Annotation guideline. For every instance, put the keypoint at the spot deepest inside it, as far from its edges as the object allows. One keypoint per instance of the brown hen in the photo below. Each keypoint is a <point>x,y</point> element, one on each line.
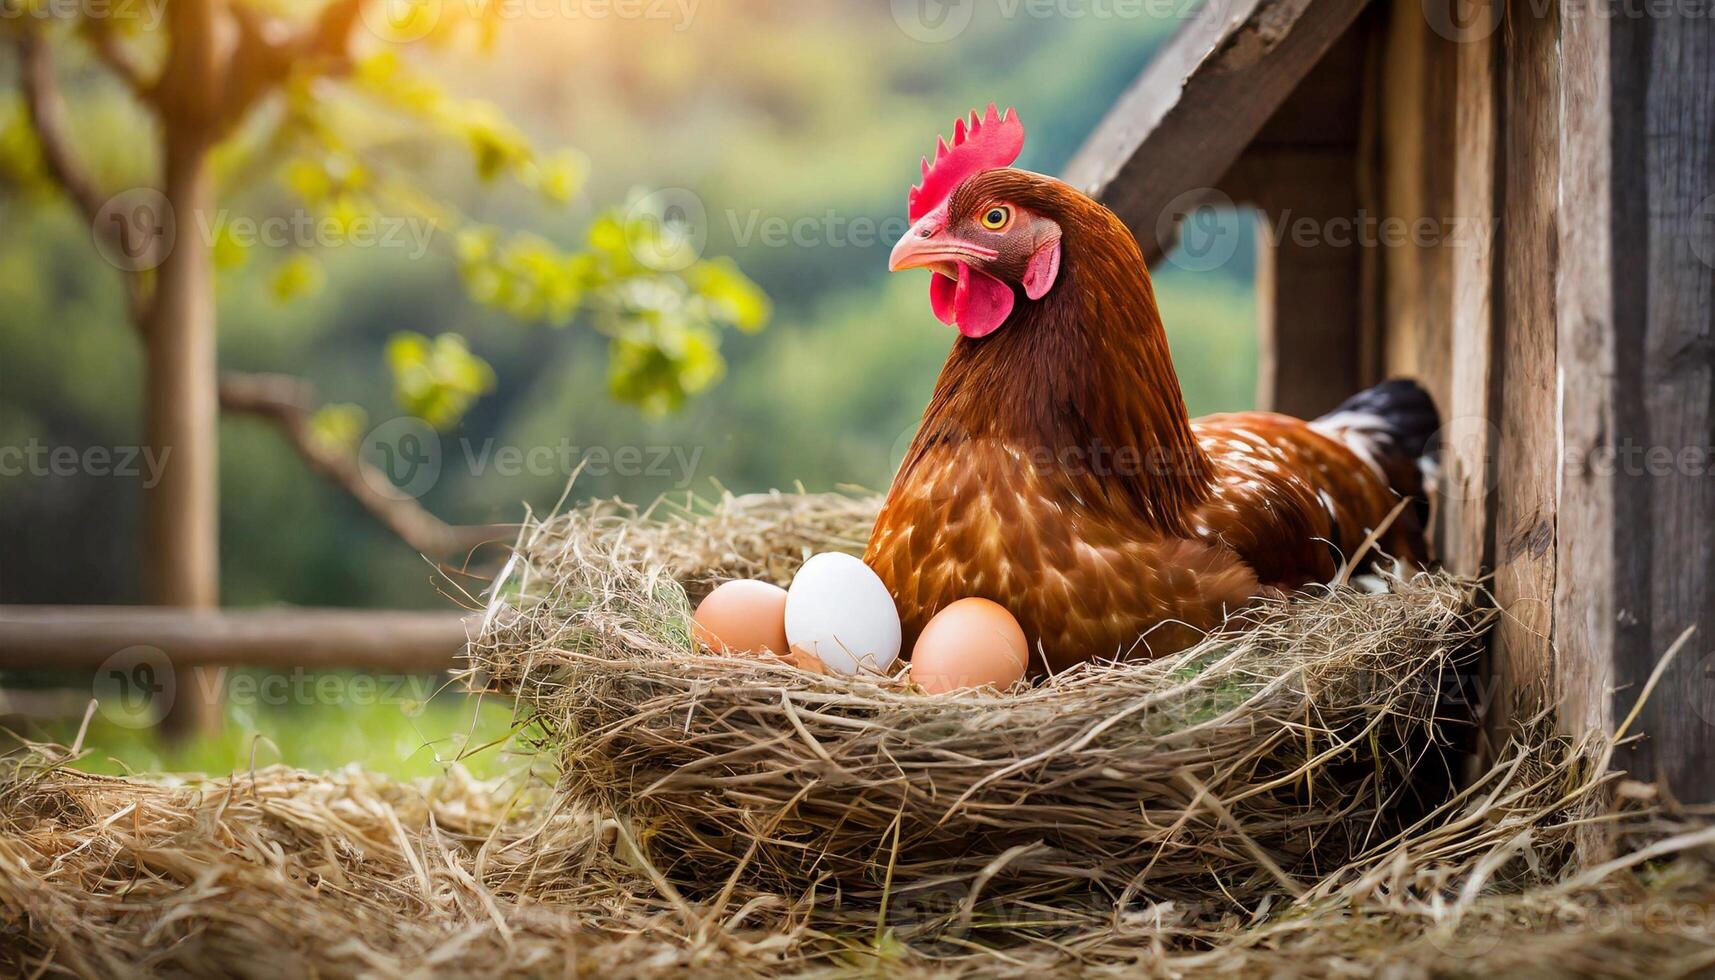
<point>1056,471</point>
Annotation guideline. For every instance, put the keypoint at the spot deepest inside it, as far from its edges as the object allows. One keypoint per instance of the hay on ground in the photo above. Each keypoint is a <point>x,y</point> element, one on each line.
<point>282,873</point>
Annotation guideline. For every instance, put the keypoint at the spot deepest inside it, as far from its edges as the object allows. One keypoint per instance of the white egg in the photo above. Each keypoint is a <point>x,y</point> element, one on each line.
<point>838,610</point>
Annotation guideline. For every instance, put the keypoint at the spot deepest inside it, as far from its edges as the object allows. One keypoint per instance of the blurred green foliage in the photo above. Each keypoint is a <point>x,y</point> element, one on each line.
<point>405,739</point>
<point>796,125</point>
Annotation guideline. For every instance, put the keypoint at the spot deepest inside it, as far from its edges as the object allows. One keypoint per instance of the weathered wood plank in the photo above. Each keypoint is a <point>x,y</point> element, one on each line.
<point>1590,508</point>
<point>1526,463</point>
<point>1201,101</point>
<point>83,637</point>
<point>1659,373</point>
<point>1469,434</point>
<point>1415,151</point>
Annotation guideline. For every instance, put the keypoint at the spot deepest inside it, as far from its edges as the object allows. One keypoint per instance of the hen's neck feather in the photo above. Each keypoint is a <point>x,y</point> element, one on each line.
<point>1083,371</point>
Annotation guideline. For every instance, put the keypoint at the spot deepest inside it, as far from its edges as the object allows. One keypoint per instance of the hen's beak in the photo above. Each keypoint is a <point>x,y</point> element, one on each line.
<point>928,245</point>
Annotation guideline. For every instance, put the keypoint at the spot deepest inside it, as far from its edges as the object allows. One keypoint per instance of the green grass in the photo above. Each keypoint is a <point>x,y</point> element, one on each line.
<point>407,733</point>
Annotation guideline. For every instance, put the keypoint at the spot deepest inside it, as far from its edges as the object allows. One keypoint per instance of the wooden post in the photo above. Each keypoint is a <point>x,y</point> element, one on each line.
<point>1526,457</point>
<point>1637,305</point>
<point>181,553</point>
<point>1469,433</point>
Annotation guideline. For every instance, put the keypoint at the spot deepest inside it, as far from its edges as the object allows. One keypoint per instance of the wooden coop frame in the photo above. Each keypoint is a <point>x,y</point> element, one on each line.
<point>1560,316</point>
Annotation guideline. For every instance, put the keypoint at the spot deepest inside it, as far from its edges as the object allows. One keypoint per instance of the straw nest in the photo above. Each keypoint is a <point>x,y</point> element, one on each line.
<point>1237,769</point>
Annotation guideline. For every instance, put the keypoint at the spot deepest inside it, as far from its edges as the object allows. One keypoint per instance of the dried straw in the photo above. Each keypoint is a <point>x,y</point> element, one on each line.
<point>1271,804</point>
<point>283,874</point>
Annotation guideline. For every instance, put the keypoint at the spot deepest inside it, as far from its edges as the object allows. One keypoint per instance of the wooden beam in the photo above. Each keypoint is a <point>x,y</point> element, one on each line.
<point>83,637</point>
<point>1201,101</point>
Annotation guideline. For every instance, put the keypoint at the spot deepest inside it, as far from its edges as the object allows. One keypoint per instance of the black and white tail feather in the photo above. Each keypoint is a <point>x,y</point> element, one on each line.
<point>1394,427</point>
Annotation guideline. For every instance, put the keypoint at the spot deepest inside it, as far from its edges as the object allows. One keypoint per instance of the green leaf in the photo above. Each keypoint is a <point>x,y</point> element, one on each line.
<point>228,252</point>
<point>338,427</point>
<point>307,179</point>
<point>496,144</point>
<point>659,379</point>
<point>561,177</point>
<point>736,299</point>
<point>437,380</point>
<point>300,275</point>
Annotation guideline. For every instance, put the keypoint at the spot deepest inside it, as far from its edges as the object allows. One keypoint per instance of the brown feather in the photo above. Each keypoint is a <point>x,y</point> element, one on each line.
<point>1057,472</point>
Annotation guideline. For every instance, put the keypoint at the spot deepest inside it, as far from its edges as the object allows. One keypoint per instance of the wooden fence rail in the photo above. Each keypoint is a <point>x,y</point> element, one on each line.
<point>83,637</point>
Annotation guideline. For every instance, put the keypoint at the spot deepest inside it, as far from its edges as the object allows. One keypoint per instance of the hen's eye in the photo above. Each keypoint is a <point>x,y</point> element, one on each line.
<point>995,218</point>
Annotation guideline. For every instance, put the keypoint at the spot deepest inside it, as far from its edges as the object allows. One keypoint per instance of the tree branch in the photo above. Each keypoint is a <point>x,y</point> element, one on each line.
<point>47,116</point>
<point>46,112</point>
<point>119,59</point>
<point>267,53</point>
<point>289,403</point>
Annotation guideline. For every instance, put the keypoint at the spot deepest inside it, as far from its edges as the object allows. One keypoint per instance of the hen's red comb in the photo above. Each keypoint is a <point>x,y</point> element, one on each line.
<point>979,144</point>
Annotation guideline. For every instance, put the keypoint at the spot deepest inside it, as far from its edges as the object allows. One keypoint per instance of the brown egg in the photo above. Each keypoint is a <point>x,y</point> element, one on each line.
<point>743,616</point>
<point>971,643</point>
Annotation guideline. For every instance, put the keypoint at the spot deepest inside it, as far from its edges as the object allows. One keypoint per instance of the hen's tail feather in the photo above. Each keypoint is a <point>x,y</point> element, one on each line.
<point>1395,427</point>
